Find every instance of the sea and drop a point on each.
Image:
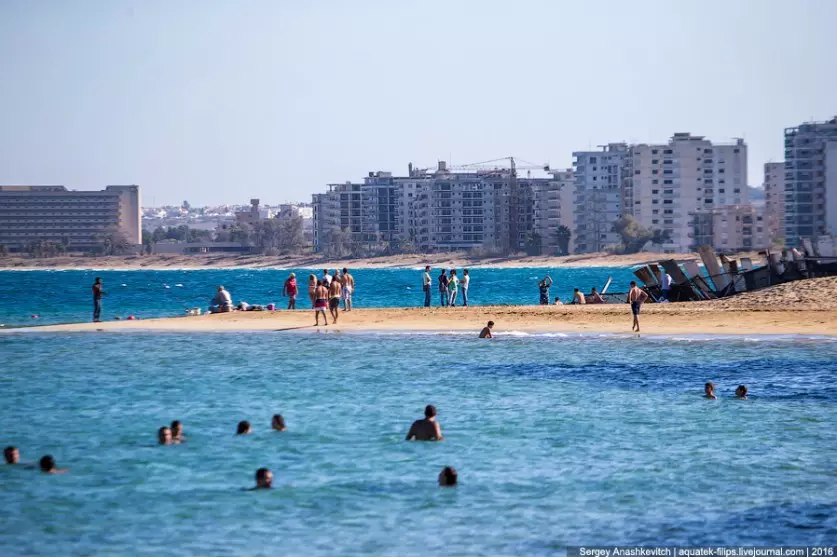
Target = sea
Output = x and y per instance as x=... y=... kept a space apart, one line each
x=558 y=439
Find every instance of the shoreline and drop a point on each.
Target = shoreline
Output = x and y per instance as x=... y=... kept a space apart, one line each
x=694 y=318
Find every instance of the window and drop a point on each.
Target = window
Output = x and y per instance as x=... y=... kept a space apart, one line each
x=720 y=171
x=655 y=211
x=636 y=172
x=653 y=151
x=668 y=192
x=655 y=191
x=668 y=152
x=668 y=201
x=655 y=161
x=667 y=182
x=655 y=201
x=655 y=181
x=721 y=190
x=655 y=221
x=655 y=171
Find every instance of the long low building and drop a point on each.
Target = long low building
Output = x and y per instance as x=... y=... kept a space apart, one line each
x=78 y=220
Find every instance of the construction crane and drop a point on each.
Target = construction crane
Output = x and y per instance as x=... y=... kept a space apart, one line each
x=512 y=242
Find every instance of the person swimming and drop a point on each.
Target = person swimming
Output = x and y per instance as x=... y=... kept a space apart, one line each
x=448 y=477
x=164 y=436
x=709 y=389
x=486 y=331
x=278 y=423
x=47 y=465
x=427 y=429
x=741 y=391
x=177 y=431
x=243 y=428
x=11 y=455
x=264 y=479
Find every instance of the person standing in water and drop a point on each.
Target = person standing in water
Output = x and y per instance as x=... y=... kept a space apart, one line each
x=543 y=287
x=464 y=284
x=443 y=289
x=335 y=290
x=290 y=290
x=427 y=429
x=486 y=331
x=741 y=391
x=348 y=289
x=453 y=287
x=636 y=297
x=98 y=292
x=426 y=282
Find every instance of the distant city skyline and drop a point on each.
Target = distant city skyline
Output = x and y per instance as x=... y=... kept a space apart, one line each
x=218 y=102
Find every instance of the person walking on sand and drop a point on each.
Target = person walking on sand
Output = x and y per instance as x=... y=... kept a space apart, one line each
x=453 y=287
x=312 y=288
x=464 y=284
x=335 y=291
x=320 y=303
x=426 y=281
x=486 y=331
x=98 y=292
x=290 y=290
x=636 y=297
x=348 y=282
x=543 y=287
x=443 y=289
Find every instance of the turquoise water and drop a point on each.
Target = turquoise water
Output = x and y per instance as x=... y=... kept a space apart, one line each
x=559 y=440
x=65 y=296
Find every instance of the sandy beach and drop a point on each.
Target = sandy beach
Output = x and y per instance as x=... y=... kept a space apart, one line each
x=794 y=308
x=452 y=259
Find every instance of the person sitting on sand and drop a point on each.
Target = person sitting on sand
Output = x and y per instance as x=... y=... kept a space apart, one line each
x=264 y=479
x=164 y=436
x=278 y=423
x=709 y=390
x=741 y=391
x=578 y=297
x=448 y=477
x=47 y=465
x=320 y=303
x=558 y=301
x=222 y=302
x=11 y=455
x=486 y=331
x=243 y=428
x=427 y=429
x=543 y=287
x=594 y=297
x=177 y=431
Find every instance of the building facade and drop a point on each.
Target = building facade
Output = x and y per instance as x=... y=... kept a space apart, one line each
x=78 y=220
x=598 y=196
x=810 y=181
x=774 y=200
x=731 y=228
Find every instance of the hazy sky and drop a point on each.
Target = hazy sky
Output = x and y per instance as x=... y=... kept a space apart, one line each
x=220 y=101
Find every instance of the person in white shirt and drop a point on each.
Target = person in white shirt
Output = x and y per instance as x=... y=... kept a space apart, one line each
x=326 y=278
x=466 y=280
x=665 y=285
x=426 y=281
x=222 y=302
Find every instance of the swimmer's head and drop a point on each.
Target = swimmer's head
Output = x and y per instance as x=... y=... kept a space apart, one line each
x=278 y=422
x=176 y=429
x=164 y=436
x=47 y=463
x=243 y=428
x=709 y=387
x=264 y=478
x=429 y=411
x=741 y=391
x=490 y=324
x=448 y=477
x=11 y=454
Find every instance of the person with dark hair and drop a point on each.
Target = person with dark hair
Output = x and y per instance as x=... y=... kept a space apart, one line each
x=709 y=390
x=453 y=287
x=348 y=282
x=543 y=289
x=164 y=436
x=741 y=391
x=47 y=465
x=11 y=455
x=278 y=423
x=320 y=303
x=177 y=432
x=426 y=281
x=594 y=297
x=98 y=292
x=243 y=428
x=578 y=297
x=448 y=477
x=464 y=284
x=427 y=429
x=264 y=479
x=636 y=296
x=486 y=331
x=335 y=292
x=443 y=289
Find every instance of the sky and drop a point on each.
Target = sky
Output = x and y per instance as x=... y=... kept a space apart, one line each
x=218 y=102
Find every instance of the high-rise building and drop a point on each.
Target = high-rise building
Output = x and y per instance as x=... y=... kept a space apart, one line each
x=810 y=181
x=774 y=200
x=731 y=228
x=553 y=207
x=598 y=196
x=666 y=184
x=77 y=220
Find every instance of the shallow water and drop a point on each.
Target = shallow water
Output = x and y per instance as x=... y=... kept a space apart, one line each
x=65 y=296
x=558 y=440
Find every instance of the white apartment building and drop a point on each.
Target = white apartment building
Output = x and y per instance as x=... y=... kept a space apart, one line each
x=598 y=196
x=774 y=199
x=666 y=184
x=731 y=228
x=552 y=207
x=77 y=219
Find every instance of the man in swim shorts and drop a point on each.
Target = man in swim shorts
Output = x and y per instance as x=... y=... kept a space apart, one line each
x=348 y=289
x=636 y=297
x=320 y=303
x=335 y=290
x=486 y=331
x=427 y=429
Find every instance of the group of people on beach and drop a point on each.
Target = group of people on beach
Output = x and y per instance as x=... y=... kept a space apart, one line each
x=449 y=286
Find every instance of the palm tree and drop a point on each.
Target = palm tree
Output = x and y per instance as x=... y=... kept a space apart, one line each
x=562 y=236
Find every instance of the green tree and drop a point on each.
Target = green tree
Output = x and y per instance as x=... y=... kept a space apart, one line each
x=147 y=242
x=634 y=236
x=562 y=236
x=4 y=251
x=532 y=243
